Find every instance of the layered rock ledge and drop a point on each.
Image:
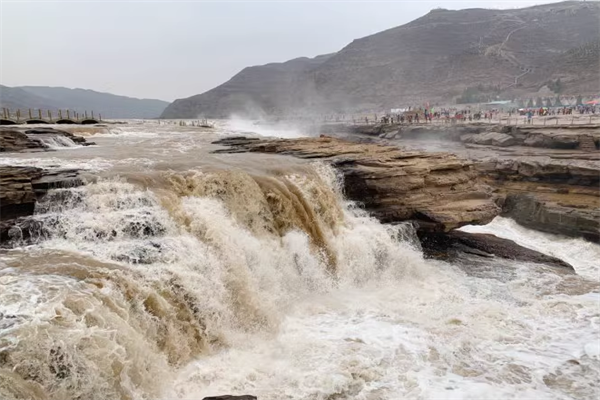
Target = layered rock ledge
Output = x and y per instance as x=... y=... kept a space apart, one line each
x=453 y=245
x=572 y=137
x=546 y=177
x=438 y=191
x=20 y=189
x=549 y=195
x=15 y=139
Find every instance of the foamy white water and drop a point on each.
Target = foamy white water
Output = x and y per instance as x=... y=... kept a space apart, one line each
x=582 y=254
x=59 y=142
x=193 y=274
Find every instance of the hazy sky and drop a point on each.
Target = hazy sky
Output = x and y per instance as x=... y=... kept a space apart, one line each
x=174 y=49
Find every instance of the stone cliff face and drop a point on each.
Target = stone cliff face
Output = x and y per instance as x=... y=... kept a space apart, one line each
x=438 y=191
x=555 y=196
x=433 y=58
x=549 y=176
x=20 y=189
x=32 y=139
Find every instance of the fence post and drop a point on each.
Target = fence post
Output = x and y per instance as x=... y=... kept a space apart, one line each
x=18 y=115
x=49 y=115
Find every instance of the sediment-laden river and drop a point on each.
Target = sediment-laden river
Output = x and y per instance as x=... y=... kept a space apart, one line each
x=174 y=273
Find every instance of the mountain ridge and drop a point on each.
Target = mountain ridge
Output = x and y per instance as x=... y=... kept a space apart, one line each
x=61 y=98
x=433 y=58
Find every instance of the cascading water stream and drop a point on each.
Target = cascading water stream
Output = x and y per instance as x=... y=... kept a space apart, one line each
x=182 y=283
x=55 y=141
x=127 y=283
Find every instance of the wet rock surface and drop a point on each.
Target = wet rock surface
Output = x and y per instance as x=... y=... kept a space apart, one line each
x=15 y=139
x=229 y=397
x=549 y=195
x=20 y=190
x=452 y=245
x=565 y=137
x=559 y=215
x=439 y=191
x=546 y=177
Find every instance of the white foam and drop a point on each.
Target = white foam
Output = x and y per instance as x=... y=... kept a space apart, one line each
x=583 y=255
x=389 y=325
x=93 y=164
x=59 y=142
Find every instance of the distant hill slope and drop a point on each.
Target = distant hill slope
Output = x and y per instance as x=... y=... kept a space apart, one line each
x=55 y=98
x=580 y=66
x=17 y=98
x=434 y=58
x=270 y=88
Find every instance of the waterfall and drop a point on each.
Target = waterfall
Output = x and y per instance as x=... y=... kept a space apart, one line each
x=125 y=284
x=55 y=141
x=174 y=273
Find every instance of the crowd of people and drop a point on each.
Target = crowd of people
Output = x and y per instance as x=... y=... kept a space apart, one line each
x=545 y=111
x=419 y=115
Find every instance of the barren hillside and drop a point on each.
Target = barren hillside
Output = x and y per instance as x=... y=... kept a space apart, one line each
x=434 y=58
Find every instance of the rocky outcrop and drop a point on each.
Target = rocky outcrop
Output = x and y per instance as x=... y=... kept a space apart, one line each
x=565 y=137
x=17 y=195
x=21 y=188
x=453 y=245
x=439 y=191
x=553 y=190
x=50 y=132
x=550 y=137
x=559 y=217
x=555 y=196
x=490 y=138
x=14 y=140
x=229 y=397
x=34 y=139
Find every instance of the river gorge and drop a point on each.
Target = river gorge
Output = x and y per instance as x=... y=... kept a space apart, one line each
x=178 y=262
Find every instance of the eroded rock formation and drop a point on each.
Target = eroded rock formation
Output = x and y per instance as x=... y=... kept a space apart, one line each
x=549 y=195
x=566 y=137
x=230 y=397
x=21 y=188
x=34 y=139
x=454 y=244
x=439 y=191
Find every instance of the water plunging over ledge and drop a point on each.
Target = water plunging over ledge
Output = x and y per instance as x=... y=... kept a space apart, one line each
x=177 y=273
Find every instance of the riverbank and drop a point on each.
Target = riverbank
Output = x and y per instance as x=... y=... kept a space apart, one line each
x=546 y=176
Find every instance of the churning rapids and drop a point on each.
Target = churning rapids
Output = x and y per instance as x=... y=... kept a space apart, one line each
x=175 y=273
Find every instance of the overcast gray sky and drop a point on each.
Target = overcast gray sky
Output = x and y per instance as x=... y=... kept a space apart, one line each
x=174 y=49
